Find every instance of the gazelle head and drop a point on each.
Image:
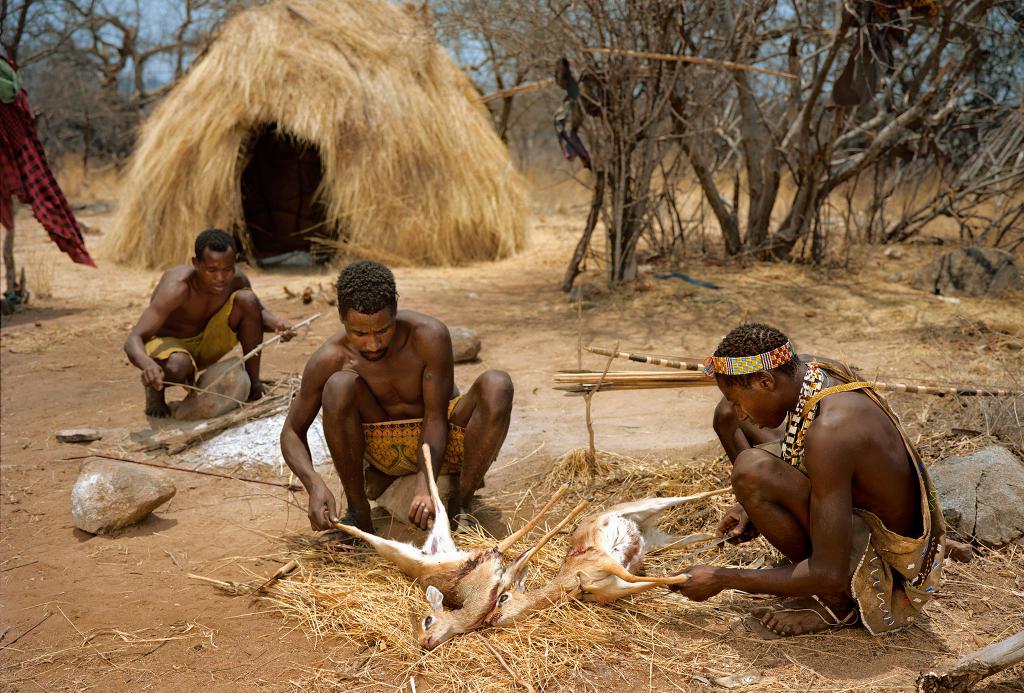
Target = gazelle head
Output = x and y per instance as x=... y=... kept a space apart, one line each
x=514 y=602
x=438 y=625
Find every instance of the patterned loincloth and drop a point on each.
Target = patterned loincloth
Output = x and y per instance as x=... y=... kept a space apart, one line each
x=391 y=446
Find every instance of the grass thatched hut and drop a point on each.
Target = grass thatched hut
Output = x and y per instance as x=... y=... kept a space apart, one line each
x=336 y=119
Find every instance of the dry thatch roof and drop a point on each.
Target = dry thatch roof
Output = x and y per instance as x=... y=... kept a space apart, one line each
x=411 y=168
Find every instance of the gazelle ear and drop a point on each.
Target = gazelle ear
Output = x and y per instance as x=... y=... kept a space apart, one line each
x=435 y=599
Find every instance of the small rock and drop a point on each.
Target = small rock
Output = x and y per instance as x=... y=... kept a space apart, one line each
x=894 y=277
x=893 y=253
x=465 y=344
x=971 y=271
x=207 y=405
x=109 y=495
x=78 y=435
x=1014 y=346
x=981 y=494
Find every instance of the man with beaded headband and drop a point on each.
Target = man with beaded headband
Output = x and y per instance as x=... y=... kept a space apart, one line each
x=824 y=471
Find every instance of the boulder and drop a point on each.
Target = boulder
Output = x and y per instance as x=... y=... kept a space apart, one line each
x=109 y=495
x=981 y=494
x=465 y=344
x=970 y=271
x=207 y=405
x=398 y=496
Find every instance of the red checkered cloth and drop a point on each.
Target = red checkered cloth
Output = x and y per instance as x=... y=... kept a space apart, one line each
x=25 y=174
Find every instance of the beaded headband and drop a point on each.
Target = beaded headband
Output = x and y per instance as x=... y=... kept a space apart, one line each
x=743 y=365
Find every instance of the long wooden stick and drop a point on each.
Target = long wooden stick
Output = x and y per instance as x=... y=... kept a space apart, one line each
x=965 y=674
x=263 y=345
x=941 y=391
x=667 y=57
x=291 y=487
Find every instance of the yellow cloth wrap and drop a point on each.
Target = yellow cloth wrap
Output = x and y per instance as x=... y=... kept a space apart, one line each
x=391 y=446
x=206 y=348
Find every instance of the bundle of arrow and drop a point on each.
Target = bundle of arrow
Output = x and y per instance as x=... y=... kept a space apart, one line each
x=589 y=381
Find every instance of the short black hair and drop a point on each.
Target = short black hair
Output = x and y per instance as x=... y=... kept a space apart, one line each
x=217 y=240
x=751 y=339
x=366 y=287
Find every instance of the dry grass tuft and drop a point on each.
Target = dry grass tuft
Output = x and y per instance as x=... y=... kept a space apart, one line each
x=412 y=167
x=362 y=605
x=354 y=594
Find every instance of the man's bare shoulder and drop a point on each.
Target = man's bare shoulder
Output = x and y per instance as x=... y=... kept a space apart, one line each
x=425 y=331
x=329 y=358
x=174 y=283
x=849 y=421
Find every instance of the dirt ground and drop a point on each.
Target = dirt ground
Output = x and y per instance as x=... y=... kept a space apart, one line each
x=119 y=613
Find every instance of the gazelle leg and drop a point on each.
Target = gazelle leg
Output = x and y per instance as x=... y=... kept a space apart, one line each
x=439 y=539
x=657 y=540
x=507 y=543
x=620 y=572
x=407 y=557
x=527 y=555
x=645 y=511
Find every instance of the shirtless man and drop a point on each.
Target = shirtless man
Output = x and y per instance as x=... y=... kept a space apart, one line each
x=197 y=313
x=387 y=385
x=845 y=498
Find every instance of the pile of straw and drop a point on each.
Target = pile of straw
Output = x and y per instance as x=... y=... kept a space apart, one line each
x=360 y=608
x=412 y=169
x=355 y=595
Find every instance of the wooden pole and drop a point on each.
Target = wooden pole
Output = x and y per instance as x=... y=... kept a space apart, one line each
x=261 y=346
x=667 y=57
x=691 y=364
x=967 y=671
x=290 y=487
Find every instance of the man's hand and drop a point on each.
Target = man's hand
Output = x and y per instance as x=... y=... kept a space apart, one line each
x=737 y=526
x=704 y=583
x=421 y=510
x=322 y=506
x=280 y=327
x=153 y=376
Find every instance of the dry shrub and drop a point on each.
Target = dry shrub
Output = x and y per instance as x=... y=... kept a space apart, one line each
x=411 y=165
x=39 y=268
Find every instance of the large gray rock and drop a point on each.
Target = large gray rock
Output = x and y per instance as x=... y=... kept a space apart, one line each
x=970 y=271
x=222 y=398
x=465 y=344
x=981 y=494
x=109 y=495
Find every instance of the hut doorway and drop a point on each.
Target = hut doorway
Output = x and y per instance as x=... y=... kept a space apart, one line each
x=279 y=185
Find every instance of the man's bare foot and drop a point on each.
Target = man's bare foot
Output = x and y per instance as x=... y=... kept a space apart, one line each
x=256 y=391
x=805 y=615
x=156 y=405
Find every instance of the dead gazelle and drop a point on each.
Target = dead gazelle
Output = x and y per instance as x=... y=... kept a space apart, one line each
x=470 y=581
x=605 y=554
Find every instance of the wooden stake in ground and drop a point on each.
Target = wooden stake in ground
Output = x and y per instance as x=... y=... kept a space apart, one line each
x=969 y=670
x=591 y=449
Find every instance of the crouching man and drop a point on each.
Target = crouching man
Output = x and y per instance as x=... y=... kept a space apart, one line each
x=386 y=382
x=196 y=315
x=824 y=471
